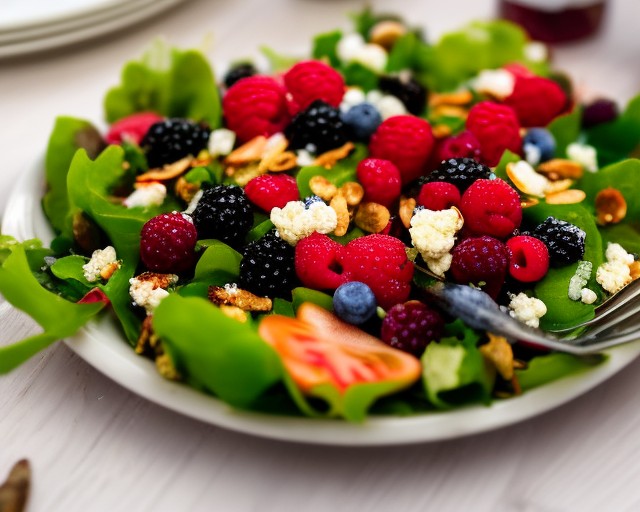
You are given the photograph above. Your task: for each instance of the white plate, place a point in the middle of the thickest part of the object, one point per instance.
(103, 347)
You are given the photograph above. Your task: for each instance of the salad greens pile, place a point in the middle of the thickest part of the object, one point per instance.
(230, 359)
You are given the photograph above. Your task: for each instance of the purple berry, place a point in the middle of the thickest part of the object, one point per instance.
(598, 112)
(411, 326)
(167, 243)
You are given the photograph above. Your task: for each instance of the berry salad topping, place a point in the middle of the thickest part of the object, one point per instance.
(267, 236)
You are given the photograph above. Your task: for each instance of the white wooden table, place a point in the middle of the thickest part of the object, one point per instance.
(95, 446)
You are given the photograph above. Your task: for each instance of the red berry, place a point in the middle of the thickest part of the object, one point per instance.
(481, 261)
(439, 195)
(496, 127)
(491, 207)
(317, 262)
(312, 80)
(405, 140)
(528, 258)
(167, 243)
(131, 128)
(379, 261)
(536, 100)
(463, 145)
(380, 179)
(272, 190)
(254, 106)
(411, 327)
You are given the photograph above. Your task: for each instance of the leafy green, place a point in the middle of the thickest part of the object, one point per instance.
(325, 47)
(565, 130)
(218, 265)
(277, 62)
(300, 295)
(171, 82)
(544, 369)
(357, 74)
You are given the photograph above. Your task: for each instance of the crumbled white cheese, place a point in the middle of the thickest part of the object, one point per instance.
(615, 252)
(221, 142)
(295, 222)
(303, 158)
(372, 56)
(536, 51)
(528, 310)
(146, 294)
(498, 83)
(433, 233)
(615, 273)
(588, 296)
(390, 106)
(151, 194)
(353, 96)
(585, 155)
(100, 259)
(526, 179)
(580, 279)
(532, 153)
(349, 45)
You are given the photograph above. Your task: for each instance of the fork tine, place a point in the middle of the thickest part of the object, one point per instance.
(622, 313)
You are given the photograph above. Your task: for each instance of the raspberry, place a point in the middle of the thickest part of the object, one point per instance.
(536, 100)
(381, 262)
(407, 141)
(224, 213)
(316, 262)
(255, 106)
(239, 71)
(267, 267)
(380, 179)
(461, 172)
(491, 207)
(597, 112)
(362, 120)
(463, 145)
(496, 127)
(354, 302)
(172, 139)
(407, 89)
(438, 195)
(564, 240)
(272, 190)
(312, 80)
(528, 258)
(167, 243)
(131, 128)
(411, 327)
(318, 128)
(481, 261)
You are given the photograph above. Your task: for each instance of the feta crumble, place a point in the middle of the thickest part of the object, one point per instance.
(295, 222)
(221, 142)
(588, 296)
(151, 194)
(146, 294)
(615, 273)
(527, 310)
(100, 260)
(354, 48)
(498, 83)
(584, 154)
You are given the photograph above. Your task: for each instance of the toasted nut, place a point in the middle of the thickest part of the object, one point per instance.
(186, 190)
(440, 131)
(405, 211)
(323, 188)
(339, 204)
(611, 206)
(243, 175)
(243, 299)
(571, 196)
(527, 202)
(499, 353)
(333, 156)
(449, 111)
(14, 491)
(168, 172)
(234, 312)
(159, 280)
(459, 98)
(147, 340)
(280, 162)
(272, 154)
(526, 179)
(635, 269)
(165, 367)
(558, 186)
(204, 158)
(352, 192)
(372, 217)
(386, 33)
(250, 151)
(108, 270)
(559, 168)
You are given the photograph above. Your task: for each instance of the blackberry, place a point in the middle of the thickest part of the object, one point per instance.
(599, 111)
(461, 172)
(407, 89)
(238, 71)
(224, 213)
(267, 267)
(564, 240)
(318, 128)
(172, 139)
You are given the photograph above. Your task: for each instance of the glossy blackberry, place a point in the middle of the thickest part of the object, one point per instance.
(407, 89)
(172, 139)
(461, 172)
(240, 70)
(223, 213)
(267, 267)
(318, 128)
(564, 240)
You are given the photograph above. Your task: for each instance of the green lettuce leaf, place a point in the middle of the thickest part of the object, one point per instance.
(544, 369)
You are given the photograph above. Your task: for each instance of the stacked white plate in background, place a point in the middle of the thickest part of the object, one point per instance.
(28, 26)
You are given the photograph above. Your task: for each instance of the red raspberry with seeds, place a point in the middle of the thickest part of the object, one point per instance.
(317, 262)
(167, 243)
(463, 145)
(438, 195)
(411, 326)
(380, 179)
(254, 106)
(491, 207)
(496, 127)
(528, 258)
(312, 80)
(379, 261)
(131, 128)
(481, 261)
(272, 190)
(536, 100)
(405, 140)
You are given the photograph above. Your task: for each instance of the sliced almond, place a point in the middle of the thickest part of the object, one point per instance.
(405, 211)
(571, 196)
(560, 168)
(333, 156)
(459, 98)
(167, 172)
(339, 204)
(526, 179)
(250, 151)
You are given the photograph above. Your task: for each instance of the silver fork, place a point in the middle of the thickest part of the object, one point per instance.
(614, 325)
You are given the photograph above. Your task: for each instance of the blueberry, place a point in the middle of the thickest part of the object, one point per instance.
(540, 143)
(354, 302)
(362, 120)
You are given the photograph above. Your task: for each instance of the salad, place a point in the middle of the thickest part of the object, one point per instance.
(268, 236)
